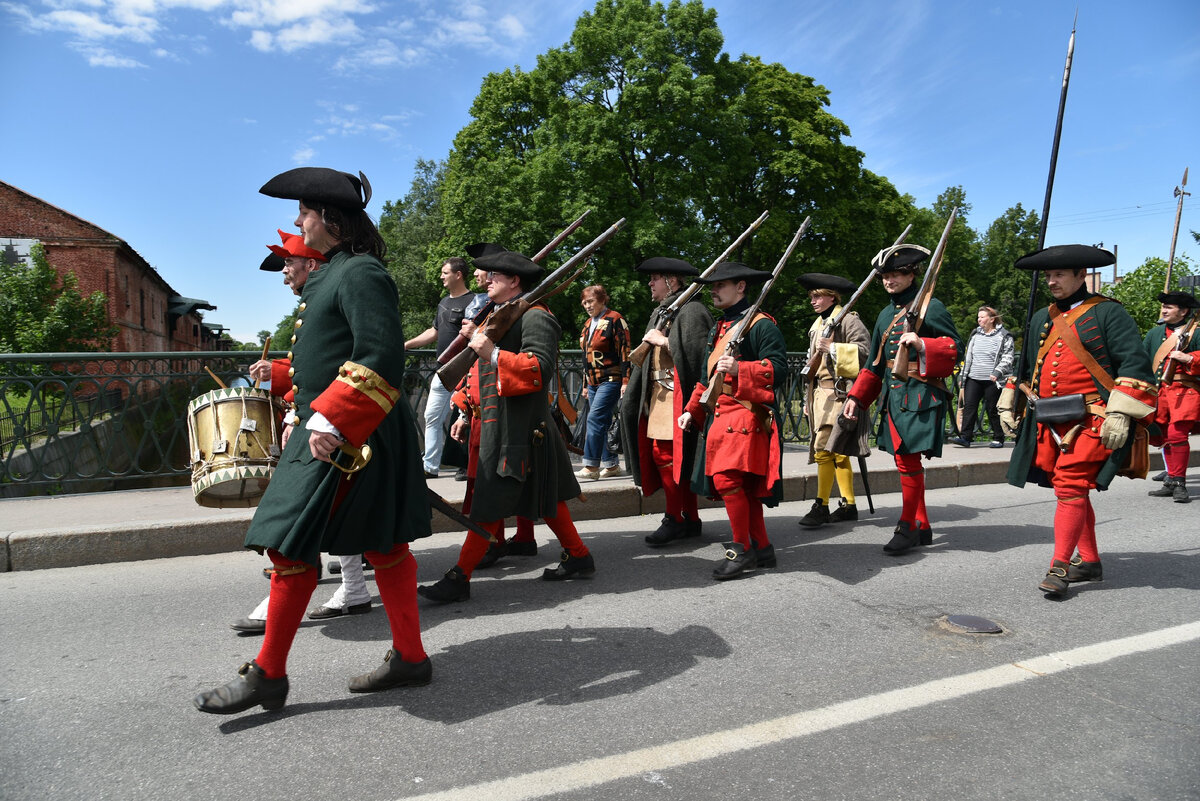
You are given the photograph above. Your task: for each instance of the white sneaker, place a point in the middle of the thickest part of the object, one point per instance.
(612, 472)
(591, 473)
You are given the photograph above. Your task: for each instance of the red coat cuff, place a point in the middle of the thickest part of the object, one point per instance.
(356, 402)
(866, 388)
(941, 355)
(281, 381)
(520, 374)
(755, 382)
(693, 406)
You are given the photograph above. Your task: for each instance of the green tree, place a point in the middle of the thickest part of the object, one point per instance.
(1138, 290)
(641, 115)
(1010, 236)
(43, 313)
(413, 230)
(262, 337)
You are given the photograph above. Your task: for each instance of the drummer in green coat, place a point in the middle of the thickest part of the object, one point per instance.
(912, 407)
(347, 364)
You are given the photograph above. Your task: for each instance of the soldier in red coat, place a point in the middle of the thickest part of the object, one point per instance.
(1087, 375)
(1173, 346)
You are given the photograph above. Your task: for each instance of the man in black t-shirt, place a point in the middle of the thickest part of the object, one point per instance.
(444, 329)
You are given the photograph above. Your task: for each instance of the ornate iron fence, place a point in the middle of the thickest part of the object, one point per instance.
(77, 422)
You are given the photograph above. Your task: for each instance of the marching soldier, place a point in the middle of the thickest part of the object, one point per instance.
(347, 357)
(741, 442)
(523, 467)
(912, 406)
(1085, 369)
(658, 452)
(835, 362)
(1173, 346)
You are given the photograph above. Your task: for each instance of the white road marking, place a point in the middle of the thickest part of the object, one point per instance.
(654, 760)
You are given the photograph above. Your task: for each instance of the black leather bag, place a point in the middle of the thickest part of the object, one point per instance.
(1060, 409)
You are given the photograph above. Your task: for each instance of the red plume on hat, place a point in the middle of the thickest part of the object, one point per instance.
(293, 245)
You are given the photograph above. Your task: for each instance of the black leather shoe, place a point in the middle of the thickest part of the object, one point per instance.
(495, 552)
(1180, 493)
(845, 512)
(249, 625)
(393, 673)
(668, 531)
(1167, 490)
(905, 538)
(1159, 476)
(570, 567)
(522, 548)
(692, 528)
(327, 612)
(818, 515)
(251, 688)
(460, 474)
(738, 560)
(765, 556)
(1080, 570)
(453, 586)
(1055, 583)
(960, 442)
(431, 474)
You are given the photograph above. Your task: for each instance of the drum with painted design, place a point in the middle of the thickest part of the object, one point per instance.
(233, 437)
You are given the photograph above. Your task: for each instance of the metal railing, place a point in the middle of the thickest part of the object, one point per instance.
(78, 422)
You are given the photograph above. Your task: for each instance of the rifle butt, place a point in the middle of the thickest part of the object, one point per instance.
(454, 371)
(639, 354)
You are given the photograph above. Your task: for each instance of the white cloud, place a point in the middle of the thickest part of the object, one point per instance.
(103, 57)
(303, 156)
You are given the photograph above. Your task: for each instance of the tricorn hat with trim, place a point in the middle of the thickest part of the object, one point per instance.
(320, 185)
(509, 263)
(734, 271)
(899, 258)
(1066, 257)
(665, 265)
(835, 283)
(1183, 300)
(293, 245)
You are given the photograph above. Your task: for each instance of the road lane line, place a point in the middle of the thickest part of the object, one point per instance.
(592, 772)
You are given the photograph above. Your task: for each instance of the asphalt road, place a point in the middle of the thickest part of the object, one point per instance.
(827, 678)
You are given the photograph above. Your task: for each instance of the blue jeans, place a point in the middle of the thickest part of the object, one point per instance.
(437, 406)
(602, 400)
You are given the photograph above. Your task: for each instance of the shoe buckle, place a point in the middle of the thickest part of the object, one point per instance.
(564, 556)
(731, 554)
(1057, 571)
(244, 669)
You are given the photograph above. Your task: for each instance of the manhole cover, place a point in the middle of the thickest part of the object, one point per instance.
(970, 624)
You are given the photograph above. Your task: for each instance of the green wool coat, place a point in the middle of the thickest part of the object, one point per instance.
(349, 312)
(524, 467)
(917, 409)
(1112, 337)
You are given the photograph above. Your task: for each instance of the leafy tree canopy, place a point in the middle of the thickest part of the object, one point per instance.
(1139, 289)
(43, 313)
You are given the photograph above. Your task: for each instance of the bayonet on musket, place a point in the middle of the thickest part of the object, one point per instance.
(638, 354)
(915, 314)
(828, 330)
(460, 342)
(709, 397)
(506, 314)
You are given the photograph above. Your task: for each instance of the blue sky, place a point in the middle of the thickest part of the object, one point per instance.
(159, 119)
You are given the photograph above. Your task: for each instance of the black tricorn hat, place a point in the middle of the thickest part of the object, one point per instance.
(272, 263)
(480, 249)
(734, 271)
(321, 185)
(1183, 300)
(1066, 257)
(836, 283)
(899, 258)
(665, 265)
(509, 263)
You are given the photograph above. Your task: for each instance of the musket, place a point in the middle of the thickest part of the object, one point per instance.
(639, 354)
(914, 315)
(862, 471)
(1183, 336)
(1180, 192)
(442, 505)
(832, 325)
(460, 342)
(504, 316)
(1041, 241)
(709, 398)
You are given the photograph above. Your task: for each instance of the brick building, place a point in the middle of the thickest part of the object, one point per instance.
(151, 315)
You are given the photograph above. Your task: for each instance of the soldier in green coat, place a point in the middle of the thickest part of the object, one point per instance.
(912, 406)
(347, 357)
(524, 468)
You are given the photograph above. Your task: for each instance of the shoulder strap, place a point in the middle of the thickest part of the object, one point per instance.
(719, 346)
(883, 340)
(1069, 335)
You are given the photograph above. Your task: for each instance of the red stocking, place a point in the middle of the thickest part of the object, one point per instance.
(564, 528)
(289, 599)
(396, 578)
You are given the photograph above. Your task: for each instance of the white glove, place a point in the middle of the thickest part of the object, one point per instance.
(685, 421)
(1115, 430)
(1006, 406)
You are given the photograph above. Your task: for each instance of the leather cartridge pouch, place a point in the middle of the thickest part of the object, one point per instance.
(1059, 409)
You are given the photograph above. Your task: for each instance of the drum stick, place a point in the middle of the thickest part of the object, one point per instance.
(266, 347)
(220, 383)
